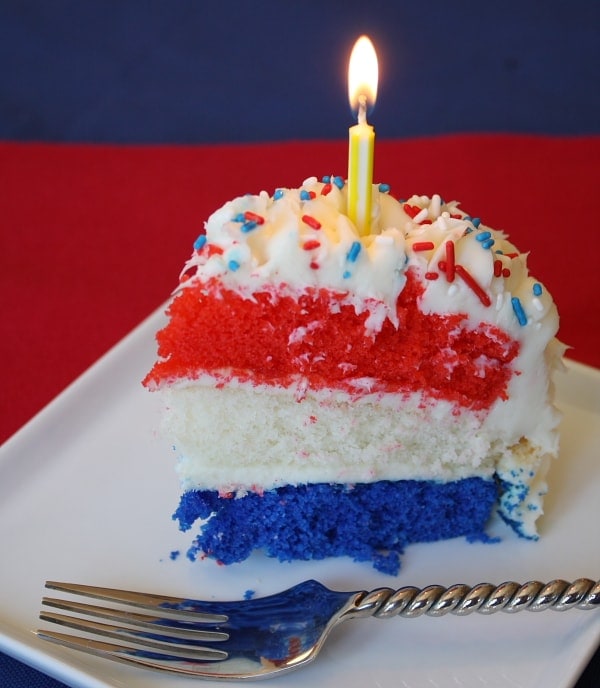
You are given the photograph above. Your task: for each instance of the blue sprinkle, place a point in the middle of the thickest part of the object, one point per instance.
(467, 218)
(326, 179)
(488, 243)
(304, 195)
(249, 594)
(483, 236)
(200, 241)
(278, 194)
(174, 554)
(537, 289)
(384, 188)
(353, 252)
(498, 251)
(239, 218)
(518, 309)
(249, 225)
(468, 230)
(347, 274)
(476, 221)
(339, 182)
(233, 265)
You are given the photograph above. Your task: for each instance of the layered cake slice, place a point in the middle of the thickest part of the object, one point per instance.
(332, 394)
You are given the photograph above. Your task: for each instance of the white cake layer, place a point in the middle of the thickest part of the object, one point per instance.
(267, 438)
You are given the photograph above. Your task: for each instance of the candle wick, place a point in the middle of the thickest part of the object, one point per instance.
(362, 109)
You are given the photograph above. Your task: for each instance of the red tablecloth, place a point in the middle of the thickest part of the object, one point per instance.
(93, 237)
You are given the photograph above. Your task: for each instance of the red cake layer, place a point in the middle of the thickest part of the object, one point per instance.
(212, 328)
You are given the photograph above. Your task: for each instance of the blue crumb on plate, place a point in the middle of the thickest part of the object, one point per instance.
(249, 594)
(367, 521)
(174, 555)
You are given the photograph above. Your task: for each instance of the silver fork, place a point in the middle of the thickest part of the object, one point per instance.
(264, 637)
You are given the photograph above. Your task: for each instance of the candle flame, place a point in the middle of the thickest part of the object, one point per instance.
(363, 73)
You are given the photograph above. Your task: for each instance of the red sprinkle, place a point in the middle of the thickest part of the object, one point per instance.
(450, 261)
(426, 222)
(326, 189)
(311, 221)
(310, 244)
(497, 268)
(431, 275)
(254, 217)
(506, 272)
(511, 255)
(411, 210)
(423, 246)
(213, 250)
(314, 265)
(442, 265)
(473, 284)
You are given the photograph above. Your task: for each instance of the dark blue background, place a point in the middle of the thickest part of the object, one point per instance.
(192, 71)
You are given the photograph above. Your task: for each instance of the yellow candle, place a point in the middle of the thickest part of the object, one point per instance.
(362, 91)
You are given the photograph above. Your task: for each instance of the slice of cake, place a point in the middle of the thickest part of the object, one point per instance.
(333, 394)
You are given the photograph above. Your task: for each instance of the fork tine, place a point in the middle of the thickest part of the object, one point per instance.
(146, 601)
(171, 663)
(157, 641)
(183, 629)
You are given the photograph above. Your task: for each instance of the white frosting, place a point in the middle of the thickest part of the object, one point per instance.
(287, 252)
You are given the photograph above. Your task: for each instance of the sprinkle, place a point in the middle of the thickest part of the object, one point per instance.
(310, 244)
(537, 289)
(482, 236)
(339, 182)
(436, 205)
(476, 222)
(471, 282)
(537, 304)
(239, 217)
(488, 244)
(519, 312)
(506, 273)
(213, 249)
(278, 194)
(421, 216)
(384, 188)
(423, 246)
(511, 255)
(497, 268)
(450, 261)
(326, 178)
(311, 221)
(233, 265)
(199, 243)
(314, 265)
(353, 252)
(431, 275)
(499, 301)
(452, 289)
(254, 217)
(326, 189)
(347, 274)
(249, 225)
(306, 195)
(411, 210)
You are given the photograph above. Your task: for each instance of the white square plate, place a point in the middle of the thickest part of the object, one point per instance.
(86, 494)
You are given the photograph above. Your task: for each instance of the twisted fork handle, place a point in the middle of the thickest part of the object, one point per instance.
(436, 600)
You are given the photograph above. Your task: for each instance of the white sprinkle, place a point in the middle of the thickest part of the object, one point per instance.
(419, 217)
(384, 240)
(499, 301)
(446, 214)
(537, 304)
(309, 181)
(435, 205)
(441, 222)
(452, 289)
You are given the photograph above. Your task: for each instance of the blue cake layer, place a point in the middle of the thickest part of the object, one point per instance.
(368, 522)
